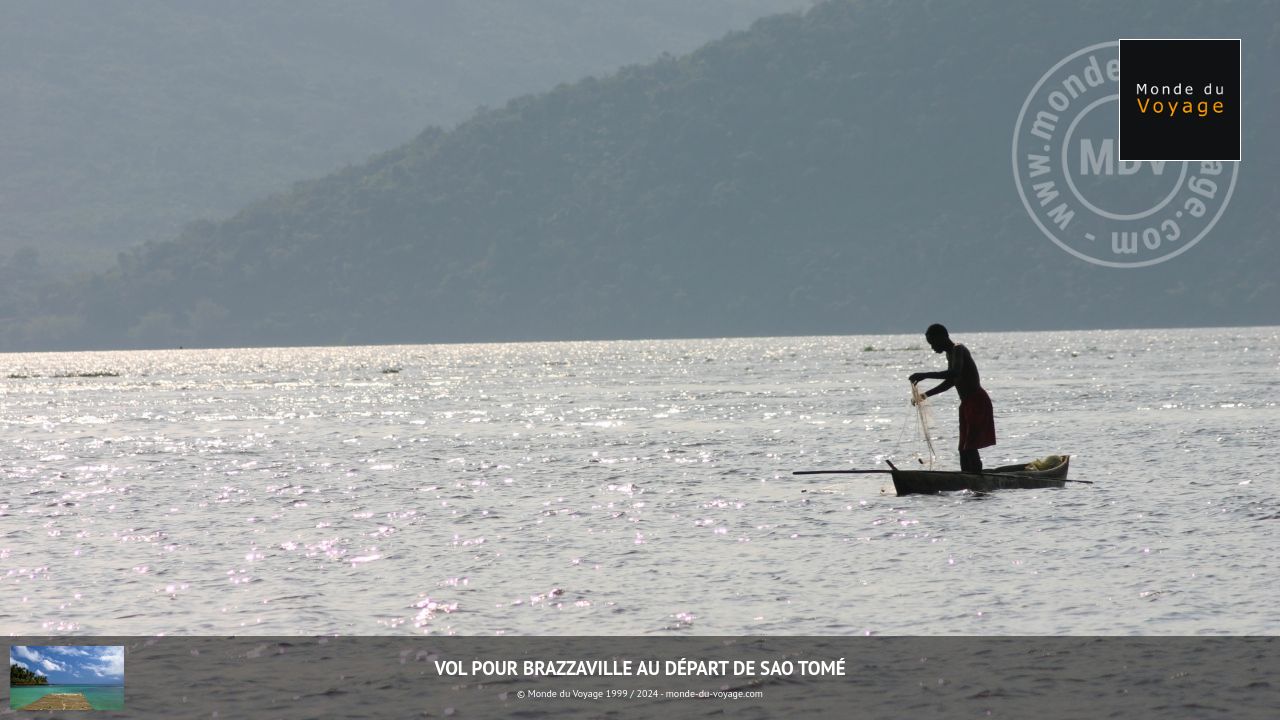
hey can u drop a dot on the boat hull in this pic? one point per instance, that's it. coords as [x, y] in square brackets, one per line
[1009, 477]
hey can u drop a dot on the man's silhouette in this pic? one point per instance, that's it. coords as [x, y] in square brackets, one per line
[977, 421]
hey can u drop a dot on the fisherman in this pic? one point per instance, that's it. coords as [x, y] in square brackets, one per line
[977, 422]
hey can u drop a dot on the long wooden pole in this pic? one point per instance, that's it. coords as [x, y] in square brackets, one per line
[840, 472]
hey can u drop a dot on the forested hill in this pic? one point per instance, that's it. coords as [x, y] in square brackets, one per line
[123, 121]
[846, 170]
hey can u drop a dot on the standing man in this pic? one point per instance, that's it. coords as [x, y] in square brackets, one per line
[977, 421]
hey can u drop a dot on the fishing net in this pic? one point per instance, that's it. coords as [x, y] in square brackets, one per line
[924, 420]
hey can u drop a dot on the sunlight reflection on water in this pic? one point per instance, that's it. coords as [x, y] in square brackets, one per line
[635, 487]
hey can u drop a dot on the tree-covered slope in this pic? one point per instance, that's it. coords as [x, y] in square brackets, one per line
[842, 171]
[123, 121]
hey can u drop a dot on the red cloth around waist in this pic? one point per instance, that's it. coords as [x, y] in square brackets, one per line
[977, 421]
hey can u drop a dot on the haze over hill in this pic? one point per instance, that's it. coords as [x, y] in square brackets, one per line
[842, 171]
[124, 121]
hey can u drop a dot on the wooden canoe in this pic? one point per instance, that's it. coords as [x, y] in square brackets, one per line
[1008, 477]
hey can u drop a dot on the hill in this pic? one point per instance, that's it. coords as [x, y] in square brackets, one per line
[845, 170]
[124, 121]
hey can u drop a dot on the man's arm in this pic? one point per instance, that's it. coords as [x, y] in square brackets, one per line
[941, 388]
[955, 362]
[917, 377]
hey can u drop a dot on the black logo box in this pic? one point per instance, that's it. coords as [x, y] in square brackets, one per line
[1187, 67]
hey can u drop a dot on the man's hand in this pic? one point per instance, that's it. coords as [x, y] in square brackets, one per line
[915, 377]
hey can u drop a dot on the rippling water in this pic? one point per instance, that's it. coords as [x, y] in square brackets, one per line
[636, 487]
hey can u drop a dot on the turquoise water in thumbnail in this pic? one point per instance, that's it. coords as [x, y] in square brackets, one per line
[101, 697]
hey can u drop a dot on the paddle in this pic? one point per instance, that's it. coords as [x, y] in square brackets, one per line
[840, 472]
[847, 472]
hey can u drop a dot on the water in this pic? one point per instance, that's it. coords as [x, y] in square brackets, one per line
[636, 488]
[101, 697]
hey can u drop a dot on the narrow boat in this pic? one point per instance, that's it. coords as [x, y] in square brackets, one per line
[1008, 477]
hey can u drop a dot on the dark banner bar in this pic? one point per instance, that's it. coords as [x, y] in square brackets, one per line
[635, 677]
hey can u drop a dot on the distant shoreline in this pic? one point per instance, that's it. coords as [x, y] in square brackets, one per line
[918, 332]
